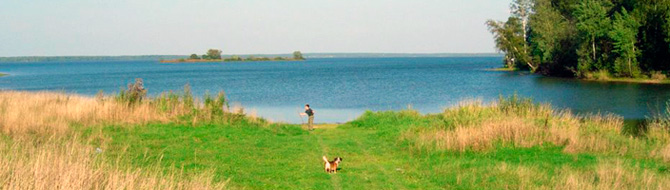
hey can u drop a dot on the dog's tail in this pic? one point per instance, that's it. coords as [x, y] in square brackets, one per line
[325, 159]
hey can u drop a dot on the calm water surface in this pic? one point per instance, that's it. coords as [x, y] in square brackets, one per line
[343, 88]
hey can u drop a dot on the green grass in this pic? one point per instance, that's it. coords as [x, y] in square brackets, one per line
[395, 149]
[507, 69]
[513, 143]
[632, 80]
[287, 157]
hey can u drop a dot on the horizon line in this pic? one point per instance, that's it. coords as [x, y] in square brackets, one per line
[128, 55]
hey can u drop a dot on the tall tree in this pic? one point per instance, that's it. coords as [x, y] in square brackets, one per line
[522, 9]
[577, 37]
[509, 39]
[654, 35]
[624, 36]
[550, 39]
[297, 55]
[194, 56]
[214, 54]
[593, 24]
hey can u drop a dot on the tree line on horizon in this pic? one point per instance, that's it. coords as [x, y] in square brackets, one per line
[215, 54]
[583, 38]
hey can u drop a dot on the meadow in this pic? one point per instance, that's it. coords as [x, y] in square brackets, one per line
[177, 141]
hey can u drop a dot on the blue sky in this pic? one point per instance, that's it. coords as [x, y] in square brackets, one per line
[139, 27]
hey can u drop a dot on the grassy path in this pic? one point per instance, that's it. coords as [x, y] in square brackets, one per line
[283, 158]
[369, 162]
[288, 157]
[324, 150]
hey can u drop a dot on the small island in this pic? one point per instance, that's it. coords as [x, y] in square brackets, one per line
[214, 55]
[3, 74]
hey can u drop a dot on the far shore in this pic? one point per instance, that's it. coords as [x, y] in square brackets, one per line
[603, 80]
[190, 60]
[503, 69]
[630, 80]
[226, 60]
[3, 74]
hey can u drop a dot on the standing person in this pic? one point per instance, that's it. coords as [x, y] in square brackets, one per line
[309, 112]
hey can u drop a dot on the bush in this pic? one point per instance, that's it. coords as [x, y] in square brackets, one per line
[602, 75]
[215, 106]
[516, 104]
[134, 94]
[657, 75]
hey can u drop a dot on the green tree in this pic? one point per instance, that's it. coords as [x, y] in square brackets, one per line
[654, 35]
[593, 24]
[214, 54]
[194, 56]
[624, 36]
[550, 31]
[511, 36]
[297, 55]
[522, 10]
[509, 40]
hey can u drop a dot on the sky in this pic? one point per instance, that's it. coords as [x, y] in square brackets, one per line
[180, 27]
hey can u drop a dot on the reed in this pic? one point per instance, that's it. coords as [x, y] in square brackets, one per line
[612, 175]
[55, 163]
[515, 122]
[49, 113]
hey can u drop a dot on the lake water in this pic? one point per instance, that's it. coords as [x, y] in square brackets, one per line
[340, 89]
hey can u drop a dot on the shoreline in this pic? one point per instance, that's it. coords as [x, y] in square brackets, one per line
[607, 80]
[191, 60]
[627, 80]
[222, 60]
[503, 69]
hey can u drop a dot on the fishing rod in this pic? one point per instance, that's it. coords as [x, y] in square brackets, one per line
[301, 119]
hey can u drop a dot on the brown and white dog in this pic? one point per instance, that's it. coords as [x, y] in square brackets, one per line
[331, 166]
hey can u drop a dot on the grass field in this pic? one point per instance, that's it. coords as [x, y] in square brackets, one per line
[509, 144]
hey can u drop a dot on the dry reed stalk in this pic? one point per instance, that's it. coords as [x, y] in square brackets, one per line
[612, 175]
[481, 127]
[66, 164]
[48, 112]
[484, 136]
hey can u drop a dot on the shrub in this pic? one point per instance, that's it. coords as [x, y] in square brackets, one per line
[657, 75]
[134, 94]
[602, 75]
[516, 104]
[216, 105]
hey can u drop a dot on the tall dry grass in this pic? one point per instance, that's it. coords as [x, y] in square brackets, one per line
[606, 175]
[67, 164]
[612, 175]
[49, 112]
[485, 136]
[475, 126]
[38, 155]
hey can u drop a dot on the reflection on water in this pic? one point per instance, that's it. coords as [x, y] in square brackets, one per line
[341, 89]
